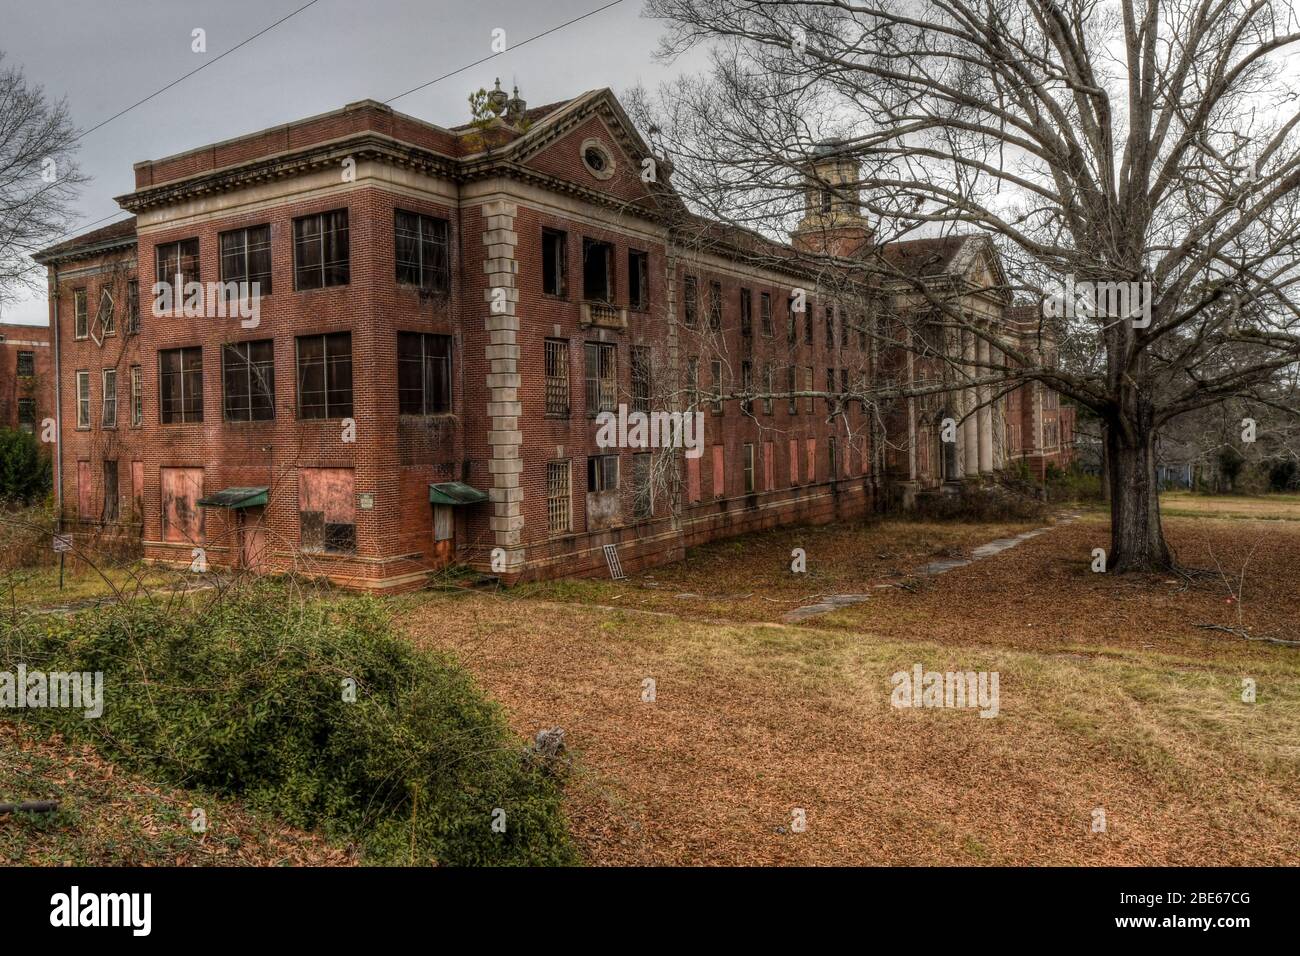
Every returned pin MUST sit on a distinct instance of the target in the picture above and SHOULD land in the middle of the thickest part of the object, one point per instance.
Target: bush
(24, 468)
(1072, 484)
(245, 696)
(981, 503)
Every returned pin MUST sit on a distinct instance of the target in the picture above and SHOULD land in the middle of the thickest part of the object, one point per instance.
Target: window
(246, 257)
(327, 511)
(638, 279)
(559, 501)
(109, 417)
(746, 313)
(767, 388)
(601, 378)
(792, 329)
(133, 307)
(83, 399)
(421, 249)
(808, 387)
(748, 462)
(715, 305)
(715, 369)
(719, 473)
(180, 385)
(792, 406)
(423, 374)
(325, 376)
(830, 327)
(182, 518)
(844, 331)
(557, 378)
(692, 382)
(844, 388)
(746, 383)
(248, 378)
(110, 492)
(555, 264)
(597, 271)
(137, 398)
(808, 325)
(862, 334)
(642, 496)
(26, 364)
(104, 318)
(85, 492)
(602, 473)
(830, 389)
(641, 375)
(178, 264)
(27, 415)
(80, 314)
(830, 457)
(765, 313)
(690, 300)
(320, 250)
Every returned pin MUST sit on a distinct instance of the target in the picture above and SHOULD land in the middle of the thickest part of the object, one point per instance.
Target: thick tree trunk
(1137, 542)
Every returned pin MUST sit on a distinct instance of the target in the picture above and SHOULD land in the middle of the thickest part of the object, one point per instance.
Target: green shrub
(244, 695)
(24, 468)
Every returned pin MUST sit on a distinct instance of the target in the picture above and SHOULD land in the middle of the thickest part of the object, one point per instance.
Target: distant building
(26, 377)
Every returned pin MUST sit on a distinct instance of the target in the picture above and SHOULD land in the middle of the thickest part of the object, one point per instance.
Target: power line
(207, 64)
(492, 56)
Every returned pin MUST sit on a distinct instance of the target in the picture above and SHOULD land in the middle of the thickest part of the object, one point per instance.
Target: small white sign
(62, 543)
(365, 501)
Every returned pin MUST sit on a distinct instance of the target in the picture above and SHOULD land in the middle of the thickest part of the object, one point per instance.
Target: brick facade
(26, 377)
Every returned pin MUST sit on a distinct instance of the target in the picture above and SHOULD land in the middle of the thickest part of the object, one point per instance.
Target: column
(970, 429)
(985, 414)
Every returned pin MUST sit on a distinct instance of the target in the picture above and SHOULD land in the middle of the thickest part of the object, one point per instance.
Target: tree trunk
(1137, 542)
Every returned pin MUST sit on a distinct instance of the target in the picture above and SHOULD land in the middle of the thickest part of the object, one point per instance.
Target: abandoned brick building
(442, 314)
(26, 377)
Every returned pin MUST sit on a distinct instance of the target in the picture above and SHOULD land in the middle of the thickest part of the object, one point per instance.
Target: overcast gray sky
(105, 56)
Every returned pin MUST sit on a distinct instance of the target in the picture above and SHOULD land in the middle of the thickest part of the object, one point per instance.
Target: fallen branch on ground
(1246, 635)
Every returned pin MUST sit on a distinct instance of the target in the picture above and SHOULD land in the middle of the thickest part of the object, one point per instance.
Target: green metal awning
(455, 493)
(235, 498)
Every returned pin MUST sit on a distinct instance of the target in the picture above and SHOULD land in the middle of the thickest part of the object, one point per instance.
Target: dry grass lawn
(1111, 699)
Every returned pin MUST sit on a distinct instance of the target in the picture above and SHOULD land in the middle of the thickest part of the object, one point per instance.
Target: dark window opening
(26, 364)
(423, 373)
(690, 301)
(597, 271)
(555, 266)
(180, 385)
(248, 377)
(638, 279)
(421, 250)
(325, 376)
(246, 257)
(320, 250)
(601, 378)
(602, 473)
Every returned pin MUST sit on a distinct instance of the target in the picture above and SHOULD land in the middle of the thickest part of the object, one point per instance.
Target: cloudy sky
(103, 57)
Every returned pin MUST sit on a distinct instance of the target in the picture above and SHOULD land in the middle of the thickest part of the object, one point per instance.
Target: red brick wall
(38, 387)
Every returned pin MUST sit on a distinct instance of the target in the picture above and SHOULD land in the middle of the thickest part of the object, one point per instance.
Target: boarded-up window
(693, 479)
(137, 489)
(812, 461)
(327, 509)
(719, 476)
(794, 462)
(85, 492)
(832, 471)
(182, 518)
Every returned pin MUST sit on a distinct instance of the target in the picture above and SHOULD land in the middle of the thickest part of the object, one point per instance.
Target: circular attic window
(597, 159)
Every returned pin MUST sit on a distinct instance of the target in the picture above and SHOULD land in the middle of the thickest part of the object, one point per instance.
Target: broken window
(320, 250)
(557, 378)
(597, 271)
(248, 377)
(246, 257)
(104, 318)
(602, 473)
(601, 378)
(555, 265)
(325, 376)
(327, 510)
(180, 385)
(638, 279)
(421, 247)
(423, 373)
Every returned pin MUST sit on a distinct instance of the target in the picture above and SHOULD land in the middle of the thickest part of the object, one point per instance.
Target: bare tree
(38, 177)
(1112, 147)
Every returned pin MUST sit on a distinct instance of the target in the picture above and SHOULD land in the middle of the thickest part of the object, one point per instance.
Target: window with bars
(423, 373)
(602, 473)
(690, 300)
(137, 397)
(109, 416)
(81, 315)
(746, 313)
(83, 399)
(421, 247)
(765, 313)
(559, 500)
(180, 385)
(177, 265)
(555, 263)
(715, 305)
(320, 250)
(325, 376)
(638, 279)
(715, 369)
(808, 386)
(601, 378)
(557, 378)
(246, 257)
(26, 364)
(248, 381)
(642, 487)
(27, 415)
(641, 378)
